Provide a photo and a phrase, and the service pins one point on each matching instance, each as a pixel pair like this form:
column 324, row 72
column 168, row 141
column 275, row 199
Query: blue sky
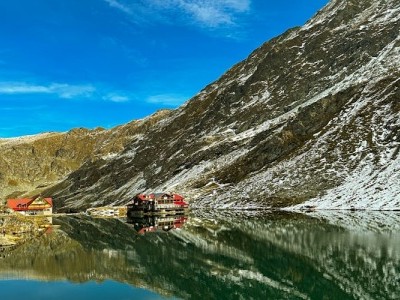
column 90, row 63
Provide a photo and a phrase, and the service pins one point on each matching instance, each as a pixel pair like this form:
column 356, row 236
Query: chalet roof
column 159, row 195
column 17, row 203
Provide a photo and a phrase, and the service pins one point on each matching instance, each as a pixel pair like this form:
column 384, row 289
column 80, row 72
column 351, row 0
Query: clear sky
column 90, row 63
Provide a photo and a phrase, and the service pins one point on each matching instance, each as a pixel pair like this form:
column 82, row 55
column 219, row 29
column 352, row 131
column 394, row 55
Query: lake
column 205, row 255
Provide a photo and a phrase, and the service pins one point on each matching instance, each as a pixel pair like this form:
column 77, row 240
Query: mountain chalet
column 31, row 206
column 170, row 203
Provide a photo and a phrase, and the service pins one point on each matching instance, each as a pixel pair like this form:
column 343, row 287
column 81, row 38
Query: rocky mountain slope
column 29, row 165
column 312, row 115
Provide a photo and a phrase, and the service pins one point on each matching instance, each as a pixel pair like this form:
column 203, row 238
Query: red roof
column 143, row 197
column 178, row 197
column 23, row 204
column 153, row 196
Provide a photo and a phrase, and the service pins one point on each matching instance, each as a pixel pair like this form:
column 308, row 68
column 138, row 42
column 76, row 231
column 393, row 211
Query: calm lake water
column 325, row 255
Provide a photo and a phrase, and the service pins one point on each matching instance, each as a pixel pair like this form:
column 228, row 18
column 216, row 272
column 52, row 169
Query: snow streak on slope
column 312, row 117
column 358, row 151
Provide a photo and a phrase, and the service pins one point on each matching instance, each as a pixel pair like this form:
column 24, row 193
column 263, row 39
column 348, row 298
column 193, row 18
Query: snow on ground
column 377, row 13
column 371, row 73
column 109, row 156
column 203, row 169
column 366, row 183
column 327, row 13
column 263, row 96
column 366, row 188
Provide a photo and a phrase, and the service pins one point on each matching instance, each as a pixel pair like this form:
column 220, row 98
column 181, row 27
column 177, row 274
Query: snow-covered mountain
column 311, row 117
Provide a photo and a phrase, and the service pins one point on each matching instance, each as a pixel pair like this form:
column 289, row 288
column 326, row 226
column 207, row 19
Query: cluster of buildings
column 170, row 203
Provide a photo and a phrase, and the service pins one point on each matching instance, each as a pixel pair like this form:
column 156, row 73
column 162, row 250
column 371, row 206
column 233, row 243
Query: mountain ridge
column 29, row 164
column 311, row 115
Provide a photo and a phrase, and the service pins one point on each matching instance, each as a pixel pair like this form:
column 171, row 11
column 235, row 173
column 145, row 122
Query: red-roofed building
column 170, row 203
column 32, row 206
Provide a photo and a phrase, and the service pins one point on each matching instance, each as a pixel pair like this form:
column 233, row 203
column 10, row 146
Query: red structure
column 31, row 206
column 157, row 203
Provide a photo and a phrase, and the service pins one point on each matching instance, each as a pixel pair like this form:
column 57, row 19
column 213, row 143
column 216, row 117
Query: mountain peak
column 345, row 15
column 311, row 116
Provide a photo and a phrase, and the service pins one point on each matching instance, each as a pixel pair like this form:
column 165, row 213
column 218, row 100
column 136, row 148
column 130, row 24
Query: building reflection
column 148, row 224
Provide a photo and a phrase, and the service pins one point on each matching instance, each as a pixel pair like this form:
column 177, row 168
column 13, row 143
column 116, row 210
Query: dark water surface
column 327, row 255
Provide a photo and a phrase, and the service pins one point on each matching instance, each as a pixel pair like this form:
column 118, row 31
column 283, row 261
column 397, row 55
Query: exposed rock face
column 311, row 115
column 29, row 165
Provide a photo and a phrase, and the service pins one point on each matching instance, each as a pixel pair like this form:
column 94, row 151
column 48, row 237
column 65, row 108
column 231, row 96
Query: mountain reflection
column 273, row 256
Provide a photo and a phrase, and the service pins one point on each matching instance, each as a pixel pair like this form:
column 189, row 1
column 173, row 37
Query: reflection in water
column 274, row 256
column 16, row 229
column 157, row 223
